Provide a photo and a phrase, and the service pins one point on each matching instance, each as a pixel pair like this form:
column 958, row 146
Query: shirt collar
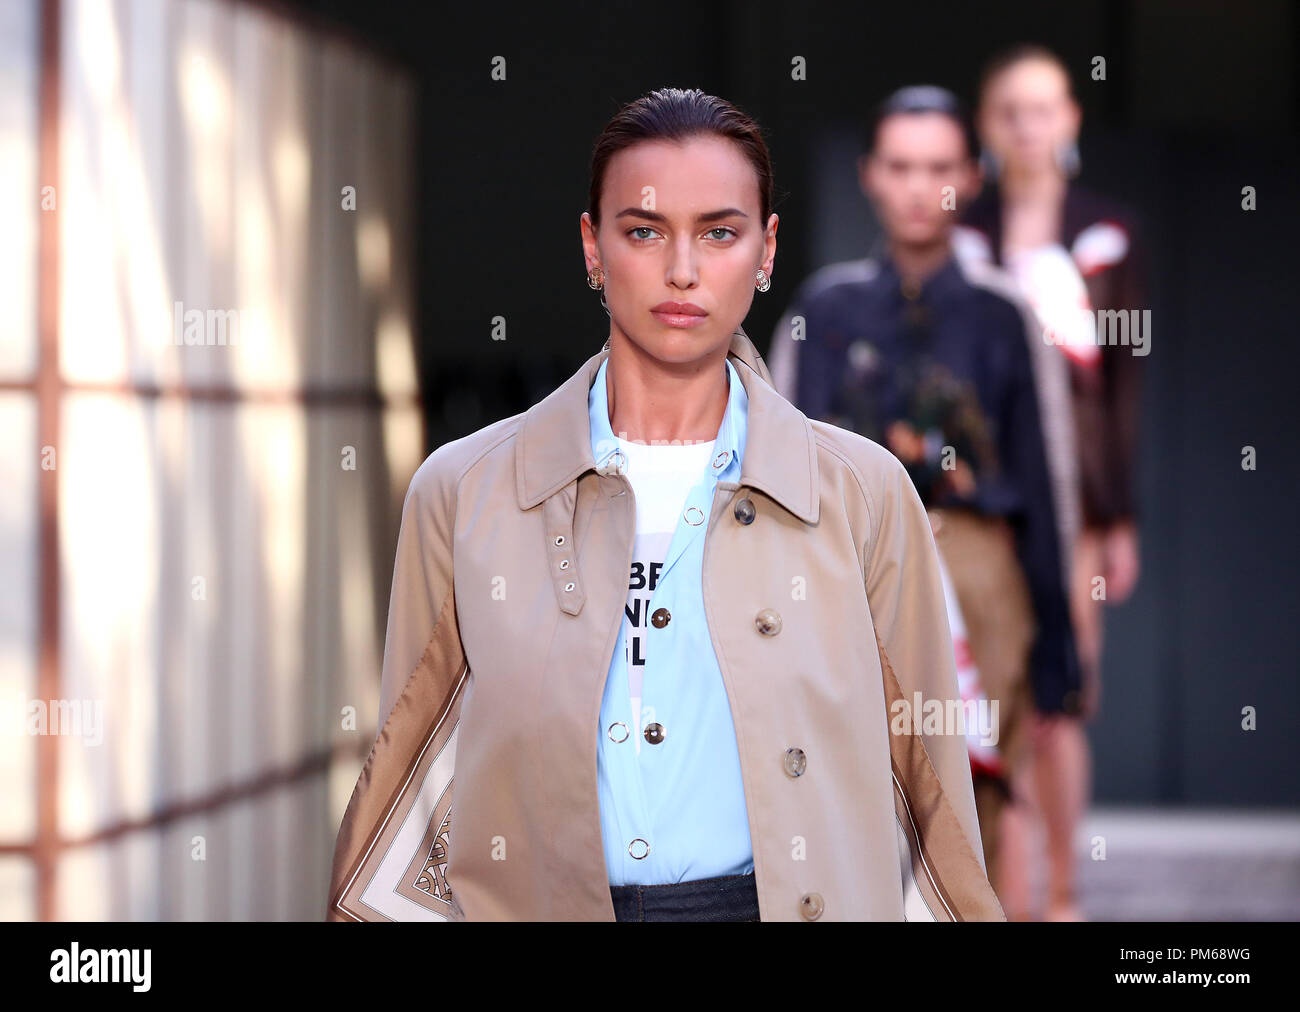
column 943, row 283
column 553, row 445
column 728, row 446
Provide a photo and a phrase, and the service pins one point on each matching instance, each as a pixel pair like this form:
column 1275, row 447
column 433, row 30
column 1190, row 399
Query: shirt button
column 795, row 762
column 618, row 731
column 720, row 461
column 659, row 618
column 694, row 516
column 768, row 622
column 654, row 733
column 811, row 906
column 745, row 510
column 639, row 848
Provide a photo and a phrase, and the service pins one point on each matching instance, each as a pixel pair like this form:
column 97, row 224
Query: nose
column 919, row 184
column 682, row 270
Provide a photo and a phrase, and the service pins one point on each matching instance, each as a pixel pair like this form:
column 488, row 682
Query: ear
column 972, row 179
column 590, row 247
column 864, row 175
column 769, row 243
column 1076, row 118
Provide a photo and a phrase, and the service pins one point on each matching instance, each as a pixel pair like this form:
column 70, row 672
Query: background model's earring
column 596, row 279
column 761, row 281
column 1068, row 160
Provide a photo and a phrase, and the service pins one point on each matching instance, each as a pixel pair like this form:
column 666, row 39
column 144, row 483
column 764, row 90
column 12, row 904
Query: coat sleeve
column 1053, row 660
column 933, row 789
column 391, row 853
column 422, row 581
column 1123, row 370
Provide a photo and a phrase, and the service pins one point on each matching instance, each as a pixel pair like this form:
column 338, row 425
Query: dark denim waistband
column 724, row 898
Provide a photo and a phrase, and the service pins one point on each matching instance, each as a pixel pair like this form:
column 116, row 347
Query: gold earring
column 596, row 279
column 761, row 280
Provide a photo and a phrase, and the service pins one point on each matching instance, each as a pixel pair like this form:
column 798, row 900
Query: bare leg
column 1015, row 851
column 1062, row 770
column 1062, row 760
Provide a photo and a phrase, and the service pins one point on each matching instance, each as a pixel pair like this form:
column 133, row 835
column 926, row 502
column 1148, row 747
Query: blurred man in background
column 934, row 361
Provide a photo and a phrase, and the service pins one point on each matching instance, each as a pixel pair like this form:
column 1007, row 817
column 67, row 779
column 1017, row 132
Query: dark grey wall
column 1200, row 99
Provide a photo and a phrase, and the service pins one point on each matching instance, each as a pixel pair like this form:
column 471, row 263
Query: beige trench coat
column 508, row 592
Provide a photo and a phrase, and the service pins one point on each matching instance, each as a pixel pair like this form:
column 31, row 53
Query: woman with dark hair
column 1077, row 257
column 662, row 631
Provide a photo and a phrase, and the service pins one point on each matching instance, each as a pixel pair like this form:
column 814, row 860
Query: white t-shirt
column 661, row 478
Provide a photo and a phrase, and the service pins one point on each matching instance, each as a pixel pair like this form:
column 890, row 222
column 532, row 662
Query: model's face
column 917, row 157
column 679, row 223
column 1026, row 115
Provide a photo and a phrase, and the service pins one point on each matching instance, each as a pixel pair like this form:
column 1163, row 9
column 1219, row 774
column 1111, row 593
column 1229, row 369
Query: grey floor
column 1184, row 865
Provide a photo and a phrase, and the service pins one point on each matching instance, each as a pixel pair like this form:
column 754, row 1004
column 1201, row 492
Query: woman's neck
column 1038, row 188
column 654, row 401
column 1032, row 210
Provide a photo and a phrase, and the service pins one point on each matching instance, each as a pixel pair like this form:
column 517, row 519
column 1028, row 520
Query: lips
column 679, row 315
column 679, row 309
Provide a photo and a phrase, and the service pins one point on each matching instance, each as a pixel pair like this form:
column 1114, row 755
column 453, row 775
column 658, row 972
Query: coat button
column 659, row 617
column 639, row 848
column 795, row 762
column 811, row 905
column 654, row 733
column 768, row 622
column 744, row 510
column 618, row 731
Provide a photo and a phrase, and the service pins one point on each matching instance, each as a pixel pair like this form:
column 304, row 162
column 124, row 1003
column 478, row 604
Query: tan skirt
column 994, row 598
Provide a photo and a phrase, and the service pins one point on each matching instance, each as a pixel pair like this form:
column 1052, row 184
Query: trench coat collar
column 554, row 443
column 728, row 444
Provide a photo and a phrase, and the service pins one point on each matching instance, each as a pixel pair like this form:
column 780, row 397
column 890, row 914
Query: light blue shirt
column 680, row 802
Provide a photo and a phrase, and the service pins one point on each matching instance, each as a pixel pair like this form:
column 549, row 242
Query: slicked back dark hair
column 922, row 98
column 675, row 114
column 1018, row 54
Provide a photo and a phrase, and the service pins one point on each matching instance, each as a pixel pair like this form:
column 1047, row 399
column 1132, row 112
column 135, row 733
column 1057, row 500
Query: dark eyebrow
column 636, row 212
